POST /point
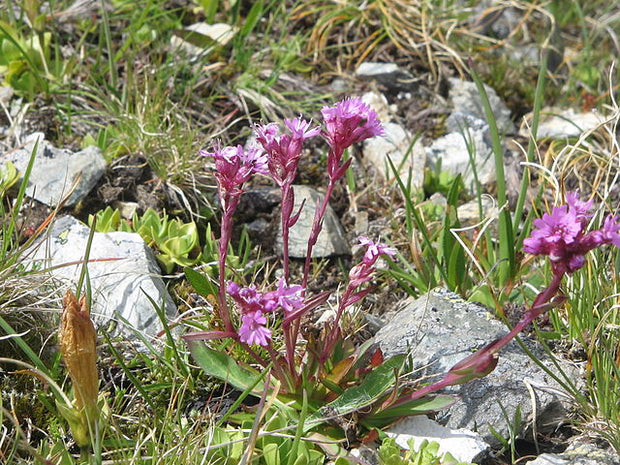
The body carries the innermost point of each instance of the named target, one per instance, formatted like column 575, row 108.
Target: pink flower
column 288, row 297
column 562, row 235
column 363, row 272
column 374, row 250
column 580, row 208
column 610, row 231
column 234, row 166
column 253, row 304
column 300, row 128
column 346, row 123
column 284, row 150
column 253, row 330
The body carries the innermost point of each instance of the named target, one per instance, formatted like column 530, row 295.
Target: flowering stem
column 287, row 209
column 225, row 235
column 482, row 362
column 317, row 225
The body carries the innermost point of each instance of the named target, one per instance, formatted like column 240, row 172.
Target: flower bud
column 78, row 340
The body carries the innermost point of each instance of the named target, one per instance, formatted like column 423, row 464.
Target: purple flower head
column 234, row 166
column 253, row 305
column 610, row 232
column 253, row 330
column 374, row 250
column 288, row 297
column 284, row 150
column 562, row 236
column 363, row 272
column 348, row 122
column 579, row 207
column 300, row 128
column 248, row 299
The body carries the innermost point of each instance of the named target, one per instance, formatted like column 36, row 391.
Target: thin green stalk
column 292, row 458
column 7, row 241
column 134, row 380
column 108, row 40
column 507, row 265
column 34, row 358
column 413, row 215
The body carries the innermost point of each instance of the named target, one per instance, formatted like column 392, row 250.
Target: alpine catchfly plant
column 321, row 372
column 269, row 323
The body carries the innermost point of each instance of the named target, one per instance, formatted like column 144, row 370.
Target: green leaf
column 200, row 282
column 271, row 454
column 375, row 384
column 251, row 20
column 224, row 367
column 425, row 405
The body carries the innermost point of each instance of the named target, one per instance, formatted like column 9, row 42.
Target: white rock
column 407, row 154
column 469, row 213
column 453, row 150
column 464, row 445
column 560, row 124
column 379, row 103
column 55, row 170
column 219, row 33
column 123, row 275
column 579, row 453
column 388, row 74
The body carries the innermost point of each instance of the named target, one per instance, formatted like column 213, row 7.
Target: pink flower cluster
column 562, row 235
column 284, row 150
column 234, row 166
column 253, row 306
column 348, row 122
column 362, row 273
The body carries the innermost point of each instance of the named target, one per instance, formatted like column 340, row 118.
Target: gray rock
column 462, row 444
column 438, row 330
column 407, row 154
column 466, row 100
column 453, row 151
column 579, row 454
column 388, row 74
column 123, row 275
column 55, row 170
column 331, row 240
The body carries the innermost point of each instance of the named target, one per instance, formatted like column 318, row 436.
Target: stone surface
column 200, row 38
column 407, row 154
column 438, row 330
column 123, row 275
column 378, row 102
column 579, row 454
column 55, row 170
column 469, row 213
column 453, row 152
column 560, row 124
column 389, row 75
column 464, row 445
column 331, row 240
column 466, row 100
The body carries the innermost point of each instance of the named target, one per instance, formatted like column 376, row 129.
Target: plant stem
column 317, row 225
